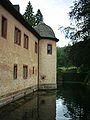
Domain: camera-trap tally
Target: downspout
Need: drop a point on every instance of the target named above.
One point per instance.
(38, 64)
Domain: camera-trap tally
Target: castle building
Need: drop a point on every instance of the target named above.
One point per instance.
(27, 55)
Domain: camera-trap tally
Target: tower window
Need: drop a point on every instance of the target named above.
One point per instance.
(49, 49)
(4, 27)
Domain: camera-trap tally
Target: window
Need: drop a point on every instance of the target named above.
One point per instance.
(4, 27)
(49, 49)
(36, 48)
(25, 71)
(26, 41)
(15, 71)
(33, 69)
(17, 36)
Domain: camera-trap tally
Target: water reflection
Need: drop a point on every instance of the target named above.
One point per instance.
(69, 102)
(62, 112)
(41, 107)
(76, 102)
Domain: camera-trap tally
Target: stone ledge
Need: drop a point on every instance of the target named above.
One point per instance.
(47, 86)
(4, 100)
(16, 95)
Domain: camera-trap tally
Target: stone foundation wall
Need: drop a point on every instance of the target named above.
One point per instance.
(47, 86)
(5, 99)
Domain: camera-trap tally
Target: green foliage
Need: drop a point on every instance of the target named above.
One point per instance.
(79, 33)
(80, 13)
(70, 75)
(67, 70)
(79, 27)
(30, 17)
(80, 54)
(74, 77)
(39, 17)
(62, 57)
(87, 78)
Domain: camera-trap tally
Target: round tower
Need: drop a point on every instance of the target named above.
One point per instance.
(47, 57)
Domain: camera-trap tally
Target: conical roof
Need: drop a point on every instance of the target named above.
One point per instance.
(45, 31)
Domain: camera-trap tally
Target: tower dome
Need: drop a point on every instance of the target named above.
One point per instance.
(45, 31)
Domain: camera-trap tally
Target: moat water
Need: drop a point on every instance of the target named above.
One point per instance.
(69, 102)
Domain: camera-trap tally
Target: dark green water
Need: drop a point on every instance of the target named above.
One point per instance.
(69, 102)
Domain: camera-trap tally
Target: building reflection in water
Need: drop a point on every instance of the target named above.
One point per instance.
(40, 107)
(69, 103)
(47, 107)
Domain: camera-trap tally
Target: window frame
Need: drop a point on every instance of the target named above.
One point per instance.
(33, 69)
(25, 71)
(36, 47)
(15, 71)
(26, 40)
(4, 27)
(17, 35)
(49, 51)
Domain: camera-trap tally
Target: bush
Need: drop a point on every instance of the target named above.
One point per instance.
(74, 77)
(71, 70)
(70, 74)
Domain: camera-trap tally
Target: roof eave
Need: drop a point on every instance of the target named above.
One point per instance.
(50, 38)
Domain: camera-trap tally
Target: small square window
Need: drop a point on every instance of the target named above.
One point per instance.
(4, 27)
(15, 71)
(49, 49)
(25, 71)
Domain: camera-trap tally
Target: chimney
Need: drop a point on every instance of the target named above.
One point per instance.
(17, 7)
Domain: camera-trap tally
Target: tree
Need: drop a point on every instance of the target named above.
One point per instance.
(38, 16)
(79, 33)
(28, 15)
(80, 13)
(63, 56)
(80, 21)
(80, 54)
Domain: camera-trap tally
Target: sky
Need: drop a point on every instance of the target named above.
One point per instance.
(55, 14)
